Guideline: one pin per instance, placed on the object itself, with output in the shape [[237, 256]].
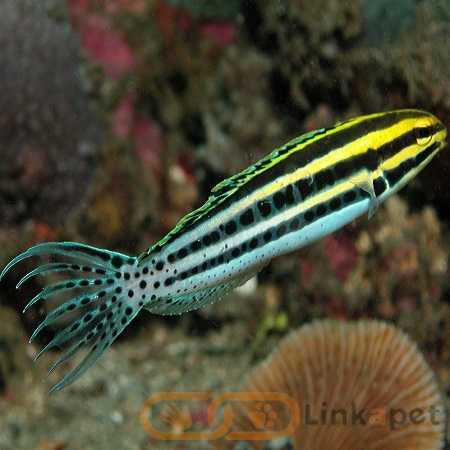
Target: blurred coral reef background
[[119, 116]]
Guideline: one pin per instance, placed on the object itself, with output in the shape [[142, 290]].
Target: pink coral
[[102, 43], [144, 133], [123, 117], [132, 6], [78, 9], [148, 140], [107, 47], [307, 272], [172, 19], [342, 255], [222, 33]]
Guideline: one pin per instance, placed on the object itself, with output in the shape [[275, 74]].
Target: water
[[119, 119]]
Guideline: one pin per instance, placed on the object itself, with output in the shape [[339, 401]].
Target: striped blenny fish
[[300, 192]]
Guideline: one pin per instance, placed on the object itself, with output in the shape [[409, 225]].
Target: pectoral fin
[[366, 184]]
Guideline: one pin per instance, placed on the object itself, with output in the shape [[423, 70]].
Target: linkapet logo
[[256, 416], [174, 415]]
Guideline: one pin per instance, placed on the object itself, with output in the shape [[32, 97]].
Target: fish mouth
[[441, 134]]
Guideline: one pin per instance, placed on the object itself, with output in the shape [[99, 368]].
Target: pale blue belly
[[286, 244]]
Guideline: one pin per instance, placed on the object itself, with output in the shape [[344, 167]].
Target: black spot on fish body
[[87, 318], [264, 208], [169, 281], [309, 216], [281, 230], [349, 196], [335, 204], [230, 227], [279, 200], [321, 210], [247, 217], [215, 236], [90, 251], [323, 179], [304, 187], [253, 243], [295, 224], [289, 195]]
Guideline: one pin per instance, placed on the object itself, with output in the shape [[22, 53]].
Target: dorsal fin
[[229, 186]]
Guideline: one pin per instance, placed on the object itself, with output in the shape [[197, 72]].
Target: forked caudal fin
[[98, 295]]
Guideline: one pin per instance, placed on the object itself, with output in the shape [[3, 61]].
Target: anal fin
[[188, 302]]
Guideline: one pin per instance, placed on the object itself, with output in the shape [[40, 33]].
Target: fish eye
[[423, 135], [424, 132]]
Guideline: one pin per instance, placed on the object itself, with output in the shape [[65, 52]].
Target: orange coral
[[357, 385]]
